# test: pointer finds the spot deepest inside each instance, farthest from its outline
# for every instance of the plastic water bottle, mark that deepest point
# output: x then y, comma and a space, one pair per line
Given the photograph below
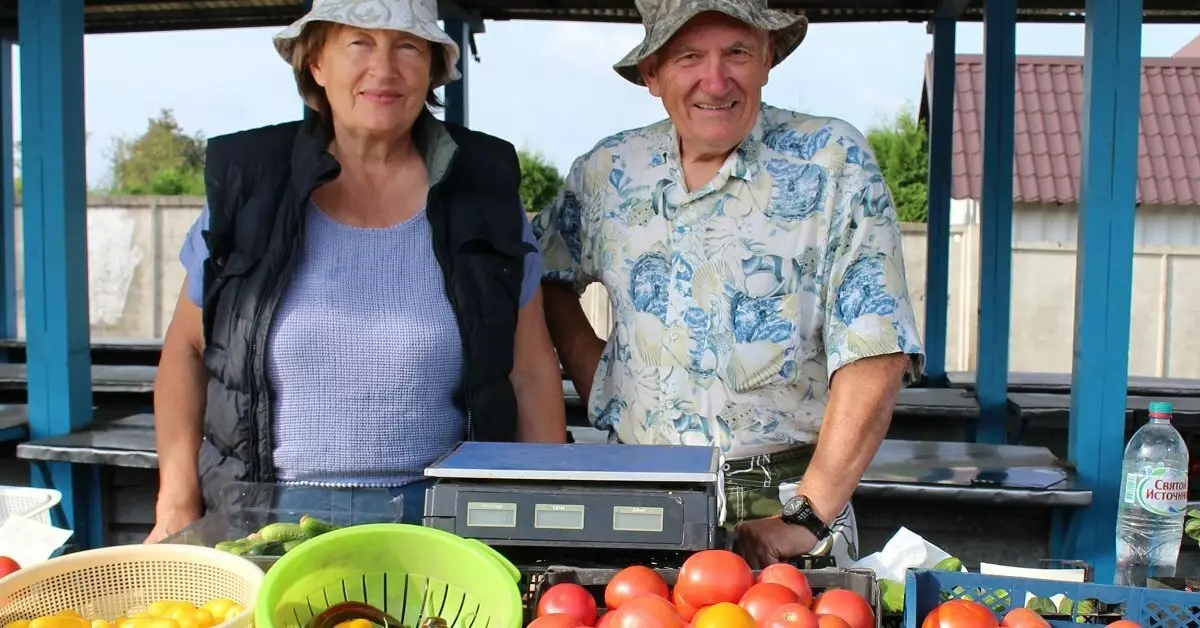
1154, 490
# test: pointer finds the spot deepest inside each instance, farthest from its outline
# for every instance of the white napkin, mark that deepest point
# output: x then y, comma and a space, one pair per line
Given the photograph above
30, 542
906, 550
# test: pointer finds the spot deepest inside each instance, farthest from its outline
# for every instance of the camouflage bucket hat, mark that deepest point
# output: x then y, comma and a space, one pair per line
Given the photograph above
415, 17
663, 18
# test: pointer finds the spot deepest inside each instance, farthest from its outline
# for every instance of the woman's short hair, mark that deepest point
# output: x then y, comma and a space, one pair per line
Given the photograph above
310, 43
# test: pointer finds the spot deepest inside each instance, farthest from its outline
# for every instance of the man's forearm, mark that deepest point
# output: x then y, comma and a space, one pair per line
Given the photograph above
578, 347
862, 398
179, 401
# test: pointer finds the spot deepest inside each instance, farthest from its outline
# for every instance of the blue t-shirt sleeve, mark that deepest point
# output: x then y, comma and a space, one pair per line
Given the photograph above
534, 266
192, 255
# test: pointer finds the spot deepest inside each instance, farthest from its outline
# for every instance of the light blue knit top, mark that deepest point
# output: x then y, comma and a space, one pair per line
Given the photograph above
364, 353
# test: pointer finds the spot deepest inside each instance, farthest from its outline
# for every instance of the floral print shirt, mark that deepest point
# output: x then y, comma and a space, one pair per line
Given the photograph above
733, 304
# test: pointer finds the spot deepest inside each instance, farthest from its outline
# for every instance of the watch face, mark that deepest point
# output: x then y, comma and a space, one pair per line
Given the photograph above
796, 507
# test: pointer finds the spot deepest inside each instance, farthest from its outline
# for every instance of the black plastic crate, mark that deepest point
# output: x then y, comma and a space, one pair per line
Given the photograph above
860, 581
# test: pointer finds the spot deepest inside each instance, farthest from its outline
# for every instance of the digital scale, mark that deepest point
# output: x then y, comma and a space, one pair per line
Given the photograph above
583, 497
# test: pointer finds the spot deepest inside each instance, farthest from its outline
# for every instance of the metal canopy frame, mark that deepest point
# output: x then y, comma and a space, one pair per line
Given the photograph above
129, 16
58, 360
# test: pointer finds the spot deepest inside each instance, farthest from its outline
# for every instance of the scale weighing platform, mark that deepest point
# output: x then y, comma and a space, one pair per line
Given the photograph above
581, 496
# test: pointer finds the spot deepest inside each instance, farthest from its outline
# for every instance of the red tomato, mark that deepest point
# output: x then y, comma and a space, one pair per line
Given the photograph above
710, 577
795, 615
568, 598
647, 611
557, 620
686, 611
1125, 623
765, 597
1024, 618
605, 619
848, 605
7, 566
960, 614
790, 577
831, 621
631, 582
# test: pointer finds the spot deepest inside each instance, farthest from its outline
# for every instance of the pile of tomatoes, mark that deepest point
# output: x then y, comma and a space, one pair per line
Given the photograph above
715, 589
972, 614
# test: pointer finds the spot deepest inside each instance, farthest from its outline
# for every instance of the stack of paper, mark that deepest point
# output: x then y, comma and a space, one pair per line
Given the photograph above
30, 542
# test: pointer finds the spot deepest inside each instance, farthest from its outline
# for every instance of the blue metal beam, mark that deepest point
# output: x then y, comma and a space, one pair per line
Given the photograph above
1112, 69
995, 277
941, 148
8, 275
55, 240
456, 92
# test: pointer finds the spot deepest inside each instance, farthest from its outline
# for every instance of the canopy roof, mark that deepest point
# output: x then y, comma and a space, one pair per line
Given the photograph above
123, 16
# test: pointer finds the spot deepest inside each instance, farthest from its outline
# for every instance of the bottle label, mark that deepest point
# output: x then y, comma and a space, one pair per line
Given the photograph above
1163, 491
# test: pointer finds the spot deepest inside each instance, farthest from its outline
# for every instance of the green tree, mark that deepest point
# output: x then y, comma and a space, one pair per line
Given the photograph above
902, 147
540, 180
163, 160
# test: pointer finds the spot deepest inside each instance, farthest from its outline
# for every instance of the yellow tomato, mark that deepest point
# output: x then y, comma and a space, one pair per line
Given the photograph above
233, 612
355, 623
20, 623
218, 608
723, 615
59, 621
100, 623
203, 618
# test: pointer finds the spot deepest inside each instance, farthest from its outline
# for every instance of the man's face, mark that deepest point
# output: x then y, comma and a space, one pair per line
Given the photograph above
710, 77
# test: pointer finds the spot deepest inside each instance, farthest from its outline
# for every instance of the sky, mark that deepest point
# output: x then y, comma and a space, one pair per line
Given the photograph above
546, 86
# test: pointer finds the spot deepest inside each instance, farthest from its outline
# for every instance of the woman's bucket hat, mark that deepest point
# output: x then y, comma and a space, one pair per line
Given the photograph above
416, 17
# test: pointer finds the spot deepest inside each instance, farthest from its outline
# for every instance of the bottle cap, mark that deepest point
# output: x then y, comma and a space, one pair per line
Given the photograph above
1161, 409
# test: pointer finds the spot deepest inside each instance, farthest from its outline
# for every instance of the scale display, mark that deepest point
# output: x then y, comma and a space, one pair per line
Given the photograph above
630, 496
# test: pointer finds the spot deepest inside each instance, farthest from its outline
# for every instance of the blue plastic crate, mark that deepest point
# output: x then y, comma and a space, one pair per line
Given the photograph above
1151, 608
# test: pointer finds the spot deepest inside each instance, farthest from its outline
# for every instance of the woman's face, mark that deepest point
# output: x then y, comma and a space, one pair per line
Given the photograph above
376, 80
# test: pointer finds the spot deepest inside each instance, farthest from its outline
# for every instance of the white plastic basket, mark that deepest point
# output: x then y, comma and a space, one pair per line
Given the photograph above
114, 582
30, 503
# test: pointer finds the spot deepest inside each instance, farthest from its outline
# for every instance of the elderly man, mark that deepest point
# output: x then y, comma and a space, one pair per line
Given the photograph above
752, 257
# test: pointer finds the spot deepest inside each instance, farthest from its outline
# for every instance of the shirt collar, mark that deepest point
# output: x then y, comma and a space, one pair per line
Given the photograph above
742, 163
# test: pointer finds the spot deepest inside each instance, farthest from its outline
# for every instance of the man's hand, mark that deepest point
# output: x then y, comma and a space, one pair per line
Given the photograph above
170, 520
768, 541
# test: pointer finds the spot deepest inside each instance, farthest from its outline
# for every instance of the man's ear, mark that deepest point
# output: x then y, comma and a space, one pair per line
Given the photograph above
648, 68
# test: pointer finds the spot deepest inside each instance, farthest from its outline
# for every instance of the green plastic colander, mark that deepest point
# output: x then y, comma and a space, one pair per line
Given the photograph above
410, 572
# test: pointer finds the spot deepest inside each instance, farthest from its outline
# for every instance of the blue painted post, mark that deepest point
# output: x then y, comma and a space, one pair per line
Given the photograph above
456, 92
941, 147
995, 277
55, 242
1112, 69
8, 275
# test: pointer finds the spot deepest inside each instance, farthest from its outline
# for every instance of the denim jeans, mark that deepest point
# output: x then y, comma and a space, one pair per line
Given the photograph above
349, 506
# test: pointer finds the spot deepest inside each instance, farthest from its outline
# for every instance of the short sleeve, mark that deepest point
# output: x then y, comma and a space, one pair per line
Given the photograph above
560, 233
533, 264
192, 255
866, 301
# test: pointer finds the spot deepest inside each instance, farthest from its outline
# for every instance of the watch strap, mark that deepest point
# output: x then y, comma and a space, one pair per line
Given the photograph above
798, 511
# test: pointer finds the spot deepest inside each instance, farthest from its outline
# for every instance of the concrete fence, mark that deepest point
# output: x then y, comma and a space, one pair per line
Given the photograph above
135, 278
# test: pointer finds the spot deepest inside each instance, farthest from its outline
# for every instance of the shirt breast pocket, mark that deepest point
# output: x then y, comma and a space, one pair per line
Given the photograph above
766, 338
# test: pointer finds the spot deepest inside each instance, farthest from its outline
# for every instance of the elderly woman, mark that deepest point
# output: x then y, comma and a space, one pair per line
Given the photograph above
362, 288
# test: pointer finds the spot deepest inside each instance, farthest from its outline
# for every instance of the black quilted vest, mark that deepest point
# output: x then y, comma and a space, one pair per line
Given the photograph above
258, 183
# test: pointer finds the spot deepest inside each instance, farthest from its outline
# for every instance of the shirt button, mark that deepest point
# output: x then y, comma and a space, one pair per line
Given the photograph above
674, 335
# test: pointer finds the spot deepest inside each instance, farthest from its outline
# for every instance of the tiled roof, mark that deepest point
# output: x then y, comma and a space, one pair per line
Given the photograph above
1048, 121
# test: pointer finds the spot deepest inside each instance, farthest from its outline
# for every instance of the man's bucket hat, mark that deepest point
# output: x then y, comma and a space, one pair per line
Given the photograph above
416, 17
663, 18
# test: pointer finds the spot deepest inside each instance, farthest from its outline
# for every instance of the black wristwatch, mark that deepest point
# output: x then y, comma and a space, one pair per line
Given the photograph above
799, 512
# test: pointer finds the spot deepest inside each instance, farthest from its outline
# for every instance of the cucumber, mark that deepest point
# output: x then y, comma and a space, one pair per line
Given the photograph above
281, 532
291, 545
265, 548
311, 526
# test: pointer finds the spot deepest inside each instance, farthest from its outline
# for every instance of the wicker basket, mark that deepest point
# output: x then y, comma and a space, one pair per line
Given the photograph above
30, 503
117, 581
